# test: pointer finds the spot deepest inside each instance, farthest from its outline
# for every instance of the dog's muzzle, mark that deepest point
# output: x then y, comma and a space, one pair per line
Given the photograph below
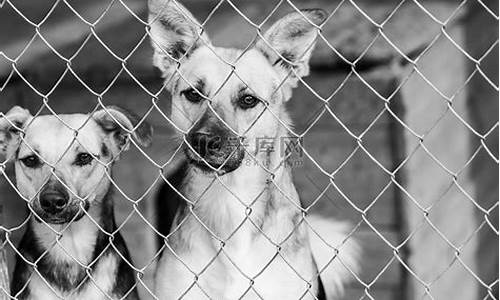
56, 207
53, 201
214, 152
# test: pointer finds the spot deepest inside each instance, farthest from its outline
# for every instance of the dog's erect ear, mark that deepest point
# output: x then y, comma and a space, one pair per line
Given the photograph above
11, 125
120, 124
174, 34
293, 38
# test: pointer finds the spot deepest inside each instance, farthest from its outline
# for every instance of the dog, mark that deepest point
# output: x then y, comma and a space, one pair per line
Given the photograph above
62, 169
239, 231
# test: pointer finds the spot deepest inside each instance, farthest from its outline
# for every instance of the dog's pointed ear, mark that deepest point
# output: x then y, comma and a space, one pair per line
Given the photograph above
289, 42
11, 125
119, 124
175, 33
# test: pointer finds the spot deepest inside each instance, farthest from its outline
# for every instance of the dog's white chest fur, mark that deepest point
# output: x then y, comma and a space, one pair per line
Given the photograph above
75, 246
99, 287
249, 265
244, 272
76, 243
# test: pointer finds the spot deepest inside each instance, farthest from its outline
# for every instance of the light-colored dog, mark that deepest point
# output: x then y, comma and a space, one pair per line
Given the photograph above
239, 232
62, 168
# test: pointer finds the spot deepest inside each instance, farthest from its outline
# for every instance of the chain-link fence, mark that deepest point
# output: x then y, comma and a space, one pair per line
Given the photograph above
393, 149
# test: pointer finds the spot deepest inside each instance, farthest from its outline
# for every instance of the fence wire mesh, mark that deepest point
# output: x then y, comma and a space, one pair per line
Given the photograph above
70, 152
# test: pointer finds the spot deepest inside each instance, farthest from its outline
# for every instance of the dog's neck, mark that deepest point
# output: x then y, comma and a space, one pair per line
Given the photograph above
79, 242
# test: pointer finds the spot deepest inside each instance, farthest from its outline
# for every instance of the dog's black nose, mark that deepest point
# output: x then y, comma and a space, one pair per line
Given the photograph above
205, 144
53, 202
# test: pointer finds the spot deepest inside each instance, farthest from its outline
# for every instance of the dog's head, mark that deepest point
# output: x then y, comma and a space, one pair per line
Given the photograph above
227, 99
62, 162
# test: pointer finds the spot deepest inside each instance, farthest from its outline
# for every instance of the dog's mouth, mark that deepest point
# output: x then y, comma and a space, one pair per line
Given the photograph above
72, 213
214, 155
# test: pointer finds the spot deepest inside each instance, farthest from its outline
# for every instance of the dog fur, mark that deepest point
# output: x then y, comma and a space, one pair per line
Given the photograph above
69, 243
239, 231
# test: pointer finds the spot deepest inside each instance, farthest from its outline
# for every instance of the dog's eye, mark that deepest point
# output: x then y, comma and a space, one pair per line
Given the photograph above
248, 101
83, 159
192, 95
31, 161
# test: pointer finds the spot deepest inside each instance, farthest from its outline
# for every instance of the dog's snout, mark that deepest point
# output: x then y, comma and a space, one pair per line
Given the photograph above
53, 201
204, 143
212, 145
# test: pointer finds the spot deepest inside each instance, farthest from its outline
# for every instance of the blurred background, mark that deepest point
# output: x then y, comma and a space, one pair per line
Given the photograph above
414, 147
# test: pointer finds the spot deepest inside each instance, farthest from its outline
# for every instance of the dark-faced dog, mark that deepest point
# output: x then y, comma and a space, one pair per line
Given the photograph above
62, 165
239, 231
